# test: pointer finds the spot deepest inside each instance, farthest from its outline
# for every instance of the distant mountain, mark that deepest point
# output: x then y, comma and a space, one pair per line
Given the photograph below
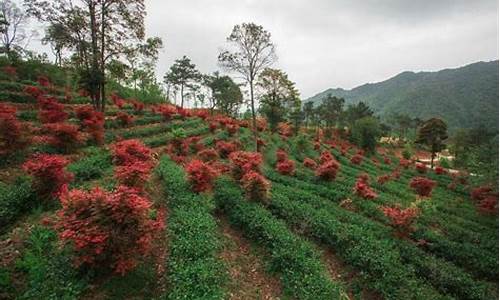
464, 97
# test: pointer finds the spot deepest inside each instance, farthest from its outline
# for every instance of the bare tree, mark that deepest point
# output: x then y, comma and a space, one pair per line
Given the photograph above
14, 22
252, 52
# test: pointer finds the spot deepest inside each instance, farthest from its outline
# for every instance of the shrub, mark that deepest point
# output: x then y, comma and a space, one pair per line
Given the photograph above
43, 81
124, 118
113, 230
92, 121
286, 167
117, 101
421, 168
212, 127
357, 159
256, 187
167, 111
328, 170
130, 151
422, 186
310, 163
63, 136
34, 91
489, 205
325, 157
401, 219
383, 179
13, 135
285, 130
225, 148
281, 155
387, 160
481, 193
51, 111
404, 163
440, 170
362, 188
200, 175
134, 174
244, 162
396, 174
232, 129
208, 155
138, 106
49, 174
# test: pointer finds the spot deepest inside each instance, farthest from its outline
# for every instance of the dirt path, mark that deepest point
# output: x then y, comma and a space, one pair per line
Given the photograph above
248, 277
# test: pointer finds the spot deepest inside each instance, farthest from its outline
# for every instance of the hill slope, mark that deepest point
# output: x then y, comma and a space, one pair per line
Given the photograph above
464, 97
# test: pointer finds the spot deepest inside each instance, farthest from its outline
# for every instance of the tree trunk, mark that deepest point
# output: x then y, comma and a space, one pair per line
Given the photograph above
94, 88
254, 118
182, 95
103, 62
433, 155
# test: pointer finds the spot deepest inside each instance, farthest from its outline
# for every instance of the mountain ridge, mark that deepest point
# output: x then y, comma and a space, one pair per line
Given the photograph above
464, 97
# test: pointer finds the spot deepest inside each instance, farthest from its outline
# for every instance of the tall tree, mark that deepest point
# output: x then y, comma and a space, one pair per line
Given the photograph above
278, 96
183, 74
365, 133
14, 22
226, 95
98, 31
330, 110
355, 112
433, 133
252, 52
308, 112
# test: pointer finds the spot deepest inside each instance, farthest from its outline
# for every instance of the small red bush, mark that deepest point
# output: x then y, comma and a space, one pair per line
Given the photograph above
49, 174
401, 219
363, 190
325, 157
356, 159
285, 130
124, 118
134, 175
212, 127
310, 164
114, 230
138, 106
489, 205
13, 135
43, 81
130, 151
387, 160
225, 148
286, 167
256, 186
232, 129
200, 175
34, 91
167, 111
422, 186
328, 170
63, 136
208, 155
119, 102
281, 155
202, 114
92, 121
440, 170
404, 163
421, 168
481, 193
244, 162
396, 174
51, 111
383, 179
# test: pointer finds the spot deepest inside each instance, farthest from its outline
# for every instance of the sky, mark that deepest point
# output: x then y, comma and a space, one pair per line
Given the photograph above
333, 43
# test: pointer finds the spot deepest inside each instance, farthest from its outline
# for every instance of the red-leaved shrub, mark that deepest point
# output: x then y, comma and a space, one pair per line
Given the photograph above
200, 175
92, 121
114, 230
325, 156
51, 111
43, 81
362, 187
421, 168
286, 167
167, 111
212, 127
49, 174
256, 187
225, 148
13, 135
119, 102
124, 118
440, 170
130, 151
404, 163
356, 159
401, 219
138, 106
310, 163
328, 170
134, 174
383, 179
244, 162
34, 91
208, 154
62, 136
422, 186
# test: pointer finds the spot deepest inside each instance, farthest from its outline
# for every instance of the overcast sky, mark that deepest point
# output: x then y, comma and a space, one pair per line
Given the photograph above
333, 43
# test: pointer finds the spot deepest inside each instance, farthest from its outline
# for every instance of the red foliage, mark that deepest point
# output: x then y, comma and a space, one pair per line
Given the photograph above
212, 127
387, 160
404, 163
489, 205
167, 111
396, 174
13, 135
183, 112
130, 151
281, 155
256, 186
63, 136
328, 170
440, 170
383, 179
200, 175
225, 148
10, 71
284, 129
51, 111
134, 175
244, 162
363, 190
192, 144
119, 102
92, 121
357, 159
232, 129
260, 144
325, 157
481, 193
208, 155
286, 167
124, 118
34, 91
310, 164
401, 219
422, 186
138, 106
202, 114
49, 173
114, 229
421, 168
317, 146
261, 124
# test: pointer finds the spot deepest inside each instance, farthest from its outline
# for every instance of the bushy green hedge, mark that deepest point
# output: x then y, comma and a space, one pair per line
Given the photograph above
302, 272
95, 164
194, 271
15, 199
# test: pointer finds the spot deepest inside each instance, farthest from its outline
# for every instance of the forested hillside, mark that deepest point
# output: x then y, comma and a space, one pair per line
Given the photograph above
464, 97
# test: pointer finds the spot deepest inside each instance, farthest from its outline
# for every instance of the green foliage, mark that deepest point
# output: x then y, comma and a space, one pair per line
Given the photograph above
365, 133
95, 164
49, 271
432, 134
15, 199
464, 97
